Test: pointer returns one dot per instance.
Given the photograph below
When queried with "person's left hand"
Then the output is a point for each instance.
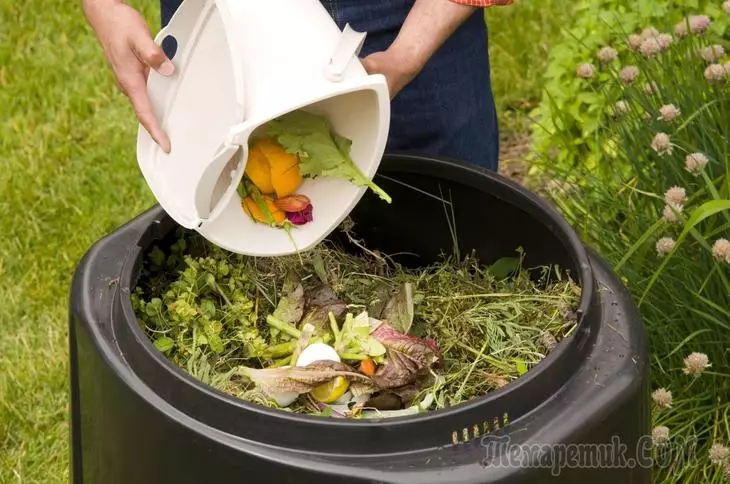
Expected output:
(398, 70)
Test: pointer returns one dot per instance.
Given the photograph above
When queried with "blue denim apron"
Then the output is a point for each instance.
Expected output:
(448, 109)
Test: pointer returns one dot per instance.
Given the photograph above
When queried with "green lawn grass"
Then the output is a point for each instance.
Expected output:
(69, 176)
(520, 38)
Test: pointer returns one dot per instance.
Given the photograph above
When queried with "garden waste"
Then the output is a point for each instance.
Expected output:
(346, 331)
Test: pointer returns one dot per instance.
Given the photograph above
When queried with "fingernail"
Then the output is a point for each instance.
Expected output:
(167, 68)
(163, 142)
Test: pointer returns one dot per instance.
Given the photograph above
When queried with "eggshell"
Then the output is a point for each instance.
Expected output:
(317, 352)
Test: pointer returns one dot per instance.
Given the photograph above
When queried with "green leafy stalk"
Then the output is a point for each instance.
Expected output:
(354, 356)
(302, 342)
(283, 327)
(321, 151)
(258, 199)
(355, 339)
(280, 350)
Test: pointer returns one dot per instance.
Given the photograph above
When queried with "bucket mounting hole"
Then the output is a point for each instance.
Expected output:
(169, 46)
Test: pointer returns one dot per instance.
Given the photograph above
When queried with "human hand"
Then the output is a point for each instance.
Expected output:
(130, 52)
(428, 25)
(398, 71)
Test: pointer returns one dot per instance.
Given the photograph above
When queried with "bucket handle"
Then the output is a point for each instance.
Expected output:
(349, 46)
(234, 146)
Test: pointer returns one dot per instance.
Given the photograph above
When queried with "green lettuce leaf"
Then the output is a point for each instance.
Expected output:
(321, 151)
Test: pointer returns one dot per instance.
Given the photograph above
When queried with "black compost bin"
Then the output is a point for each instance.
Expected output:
(582, 414)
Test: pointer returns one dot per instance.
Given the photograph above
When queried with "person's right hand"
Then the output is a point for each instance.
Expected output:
(130, 52)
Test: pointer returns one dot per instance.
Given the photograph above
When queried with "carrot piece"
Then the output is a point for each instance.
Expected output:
(368, 367)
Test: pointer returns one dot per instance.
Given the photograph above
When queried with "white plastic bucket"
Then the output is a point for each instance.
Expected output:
(240, 64)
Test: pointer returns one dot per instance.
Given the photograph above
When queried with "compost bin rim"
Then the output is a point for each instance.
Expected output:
(571, 347)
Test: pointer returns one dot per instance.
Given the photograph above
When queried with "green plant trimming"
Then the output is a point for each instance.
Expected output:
(569, 119)
(683, 295)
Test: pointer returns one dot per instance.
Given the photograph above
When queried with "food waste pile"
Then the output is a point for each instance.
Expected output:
(295, 147)
(349, 334)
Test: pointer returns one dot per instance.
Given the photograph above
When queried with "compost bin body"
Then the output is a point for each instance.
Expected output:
(136, 418)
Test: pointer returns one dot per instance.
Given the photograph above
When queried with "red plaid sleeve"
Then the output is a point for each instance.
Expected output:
(483, 3)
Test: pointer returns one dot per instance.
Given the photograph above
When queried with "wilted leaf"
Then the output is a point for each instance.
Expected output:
(406, 393)
(358, 388)
(322, 295)
(384, 401)
(377, 305)
(320, 302)
(298, 379)
(291, 306)
(319, 316)
(504, 267)
(407, 358)
(319, 267)
(399, 310)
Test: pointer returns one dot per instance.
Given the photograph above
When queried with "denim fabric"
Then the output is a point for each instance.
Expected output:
(448, 109)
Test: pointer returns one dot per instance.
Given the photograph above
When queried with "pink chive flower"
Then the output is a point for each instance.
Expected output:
(634, 41)
(695, 163)
(699, 24)
(650, 47)
(712, 53)
(671, 213)
(721, 250)
(586, 70)
(621, 107)
(715, 73)
(664, 246)
(695, 364)
(661, 144)
(660, 435)
(668, 112)
(719, 454)
(665, 40)
(675, 196)
(649, 32)
(662, 398)
(607, 54)
(680, 30)
(629, 74)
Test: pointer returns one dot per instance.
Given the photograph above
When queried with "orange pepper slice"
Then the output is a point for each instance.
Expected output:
(273, 170)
